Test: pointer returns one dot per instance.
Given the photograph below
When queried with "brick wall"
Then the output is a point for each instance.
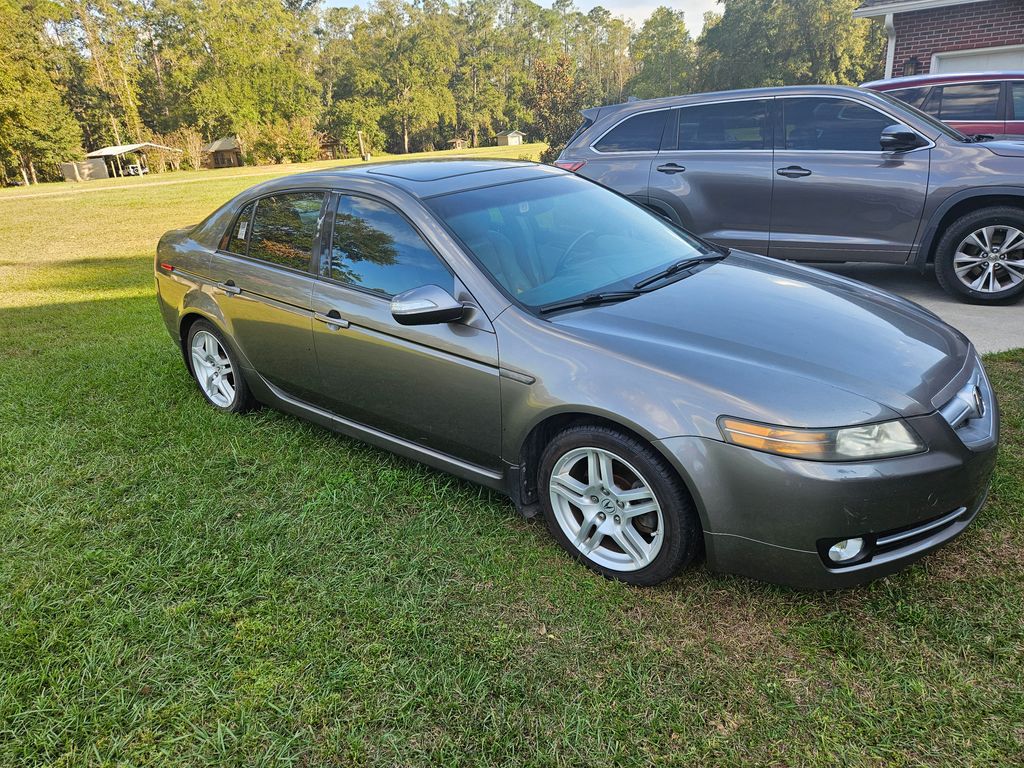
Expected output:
(956, 28)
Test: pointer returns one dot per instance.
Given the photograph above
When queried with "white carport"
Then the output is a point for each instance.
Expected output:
(115, 153)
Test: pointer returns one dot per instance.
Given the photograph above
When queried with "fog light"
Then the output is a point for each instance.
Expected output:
(846, 550)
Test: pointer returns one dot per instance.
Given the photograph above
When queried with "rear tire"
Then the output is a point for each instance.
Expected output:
(214, 365)
(614, 504)
(980, 257)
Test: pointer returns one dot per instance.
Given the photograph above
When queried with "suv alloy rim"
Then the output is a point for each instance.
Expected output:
(213, 369)
(606, 509)
(991, 259)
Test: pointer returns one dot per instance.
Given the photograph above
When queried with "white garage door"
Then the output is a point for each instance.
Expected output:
(982, 60)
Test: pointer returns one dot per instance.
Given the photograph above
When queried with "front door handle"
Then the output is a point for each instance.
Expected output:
(332, 318)
(793, 172)
(229, 288)
(670, 168)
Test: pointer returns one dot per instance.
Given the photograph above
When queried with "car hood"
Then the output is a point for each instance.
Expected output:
(784, 341)
(1006, 148)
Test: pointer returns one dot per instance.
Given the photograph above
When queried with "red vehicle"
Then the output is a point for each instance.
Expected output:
(989, 103)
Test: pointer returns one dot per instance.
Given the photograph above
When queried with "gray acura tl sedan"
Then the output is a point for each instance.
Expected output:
(651, 394)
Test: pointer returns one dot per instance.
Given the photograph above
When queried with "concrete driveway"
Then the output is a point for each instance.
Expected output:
(992, 329)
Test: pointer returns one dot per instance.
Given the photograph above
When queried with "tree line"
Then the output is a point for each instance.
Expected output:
(284, 74)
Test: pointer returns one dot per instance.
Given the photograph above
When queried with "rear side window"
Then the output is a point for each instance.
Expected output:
(640, 133)
(376, 248)
(913, 96)
(284, 228)
(239, 235)
(837, 125)
(729, 125)
(1017, 99)
(969, 101)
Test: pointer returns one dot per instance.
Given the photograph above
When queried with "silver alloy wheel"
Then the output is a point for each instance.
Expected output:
(213, 369)
(991, 259)
(606, 509)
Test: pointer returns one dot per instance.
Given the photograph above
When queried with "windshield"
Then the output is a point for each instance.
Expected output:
(924, 117)
(560, 237)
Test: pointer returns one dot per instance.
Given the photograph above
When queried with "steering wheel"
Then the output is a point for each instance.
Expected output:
(565, 255)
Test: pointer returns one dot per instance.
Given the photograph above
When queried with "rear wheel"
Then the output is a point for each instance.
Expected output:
(980, 257)
(216, 370)
(613, 503)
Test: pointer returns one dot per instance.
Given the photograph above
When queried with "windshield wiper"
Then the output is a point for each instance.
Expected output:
(677, 267)
(591, 299)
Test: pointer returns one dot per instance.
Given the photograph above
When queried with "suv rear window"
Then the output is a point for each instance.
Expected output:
(966, 101)
(913, 96)
(640, 133)
(728, 125)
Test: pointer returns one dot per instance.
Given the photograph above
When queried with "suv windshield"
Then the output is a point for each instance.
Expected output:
(552, 239)
(924, 117)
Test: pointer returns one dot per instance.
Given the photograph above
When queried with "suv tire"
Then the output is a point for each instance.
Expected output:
(973, 244)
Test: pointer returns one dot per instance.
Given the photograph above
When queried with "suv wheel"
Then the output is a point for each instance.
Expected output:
(981, 256)
(612, 503)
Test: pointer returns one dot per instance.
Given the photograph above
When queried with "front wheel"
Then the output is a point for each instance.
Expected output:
(980, 258)
(612, 502)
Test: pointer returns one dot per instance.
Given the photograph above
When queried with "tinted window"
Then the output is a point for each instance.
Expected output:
(970, 101)
(284, 228)
(374, 247)
(731, 125)
(1017, 96)
(240, 232)
(833, 124)
(913, 96)
(641, 133)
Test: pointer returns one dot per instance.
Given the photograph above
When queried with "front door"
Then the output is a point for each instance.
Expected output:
(264, 286)
(434, 385)
(713, 174)
(837, 195)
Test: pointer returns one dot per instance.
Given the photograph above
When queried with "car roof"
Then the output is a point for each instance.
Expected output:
(961, 77)
(423, 178)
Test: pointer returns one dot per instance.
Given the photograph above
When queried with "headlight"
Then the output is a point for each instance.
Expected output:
(869, 441)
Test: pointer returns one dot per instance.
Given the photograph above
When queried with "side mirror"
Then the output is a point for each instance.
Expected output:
(899, 138)
(426, 305)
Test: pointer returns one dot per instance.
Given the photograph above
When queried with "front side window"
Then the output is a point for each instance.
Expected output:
(640, 133)
(552, 239)
(837, 125)
(969, 102)
(238, 238)
(284, 228)
(729, 125)
(376, 248)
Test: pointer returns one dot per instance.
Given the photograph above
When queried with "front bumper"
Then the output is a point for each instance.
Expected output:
(770, 517)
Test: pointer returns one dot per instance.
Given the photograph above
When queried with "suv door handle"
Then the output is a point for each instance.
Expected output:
(229, 288)
(332, 318)
(793, 172)
(670, 168)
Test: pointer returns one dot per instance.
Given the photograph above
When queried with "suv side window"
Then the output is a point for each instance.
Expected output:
(640, 133)
(374, 247)
(969, 101)
(723, 126)
(1017, 100)
(238, 237)
(913, 96)
(284, 228)
(837, 125)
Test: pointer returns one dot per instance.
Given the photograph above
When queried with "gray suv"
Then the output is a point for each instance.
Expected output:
(819, 173)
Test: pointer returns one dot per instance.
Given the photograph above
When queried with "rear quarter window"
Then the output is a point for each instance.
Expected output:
(640, 133)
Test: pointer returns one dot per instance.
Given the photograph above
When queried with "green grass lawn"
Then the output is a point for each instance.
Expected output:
(184, 588)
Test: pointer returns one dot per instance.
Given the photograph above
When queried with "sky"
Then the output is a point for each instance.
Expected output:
(635, 10)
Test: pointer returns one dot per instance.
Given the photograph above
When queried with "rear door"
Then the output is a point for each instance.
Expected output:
(263, 272)
(971, 108)
(837, 195)
(621, 157)
(713, 174)
(1015, 109)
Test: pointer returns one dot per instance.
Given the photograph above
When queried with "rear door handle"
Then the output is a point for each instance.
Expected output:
(793, 172)
(670, 168)
(331, 318)
(229, 288)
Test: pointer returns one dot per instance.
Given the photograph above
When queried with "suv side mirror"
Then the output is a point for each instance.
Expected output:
(899, 138)
(426, 305)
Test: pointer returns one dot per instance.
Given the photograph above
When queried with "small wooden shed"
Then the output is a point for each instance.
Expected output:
(223, 153)
(510, 138)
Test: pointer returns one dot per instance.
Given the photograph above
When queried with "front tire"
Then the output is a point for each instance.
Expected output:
(614, 504)
(980, 257)
(215, 368)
